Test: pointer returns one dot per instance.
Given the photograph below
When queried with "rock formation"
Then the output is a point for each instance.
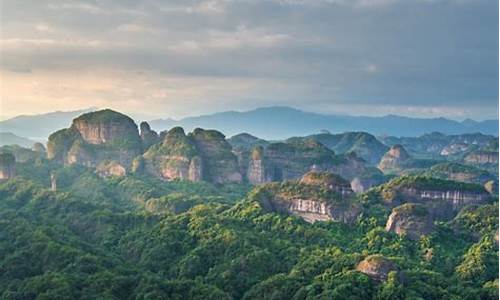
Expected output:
(290, 160)
(257, 172)
(220, 164)
(377, 267)
(148, 136)
(201, 155)
(96, 137)
(53, 182)
(459, 172)
(7, 166)
(443, 198)
(39, 148)
(482, 157)
(412, 220)
(394, 158)
(313, 199)
(110, 168)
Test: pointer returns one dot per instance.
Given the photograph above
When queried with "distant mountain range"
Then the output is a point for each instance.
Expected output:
(283, 122)
(39, 127)
(8, 138)
(269, 123)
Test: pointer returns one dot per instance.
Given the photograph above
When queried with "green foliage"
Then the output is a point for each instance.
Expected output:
(137, 237)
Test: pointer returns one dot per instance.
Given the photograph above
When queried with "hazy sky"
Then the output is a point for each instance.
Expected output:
(177, 58)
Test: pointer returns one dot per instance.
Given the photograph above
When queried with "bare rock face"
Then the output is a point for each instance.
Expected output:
(443, 198)
(171, 159)
(7, 166)
(412, 220)
(111, 168)
(394, 158)
(492, 187)
(377, 267)
(195, 172)
(291, 159)
(148, 136)
(312, 200)
(482, 157)
(96, 137)
(105, 126)
(221, 165)
(201, 155)
(257, 172)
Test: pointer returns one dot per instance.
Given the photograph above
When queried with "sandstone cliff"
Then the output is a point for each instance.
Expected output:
(201, 155)
(312, 199)
(148, 136)
(96, 137)
(443, 198)
(7, 166)
(394, 159)
(412, 220)
(482, 157)
(220, 163)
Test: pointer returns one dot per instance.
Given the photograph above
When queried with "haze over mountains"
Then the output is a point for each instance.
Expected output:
(268, 123)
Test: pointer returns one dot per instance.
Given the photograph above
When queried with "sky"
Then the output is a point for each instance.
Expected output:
(425, 58)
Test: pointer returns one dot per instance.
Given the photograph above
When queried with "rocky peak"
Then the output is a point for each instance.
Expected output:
(377, 267)
(216, 152)
(443, 198)
(394, 158)
(7, 166)
(148, 136)
(110, 168)
(106, 126)
(482, 157)
(410, 219)
(39, 148)
(96, 137)
(257, 172)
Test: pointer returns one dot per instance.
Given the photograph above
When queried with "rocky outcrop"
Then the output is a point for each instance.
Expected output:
(39, 148)
(377, 267)
(111, 168)
(394, 158)
(443, 198)
(311, 200)
(220, 163)
(482, 157)
(291, 159)
(492, 187)
(195, 171)
(106, 126)
(96, 137)
(257, 172)
(459, 172)
(148, 136)
(412, 220)
(7, 166)
(201, 155)
(456, 198)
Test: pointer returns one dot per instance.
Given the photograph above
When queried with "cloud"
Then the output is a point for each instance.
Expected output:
(326, 53)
